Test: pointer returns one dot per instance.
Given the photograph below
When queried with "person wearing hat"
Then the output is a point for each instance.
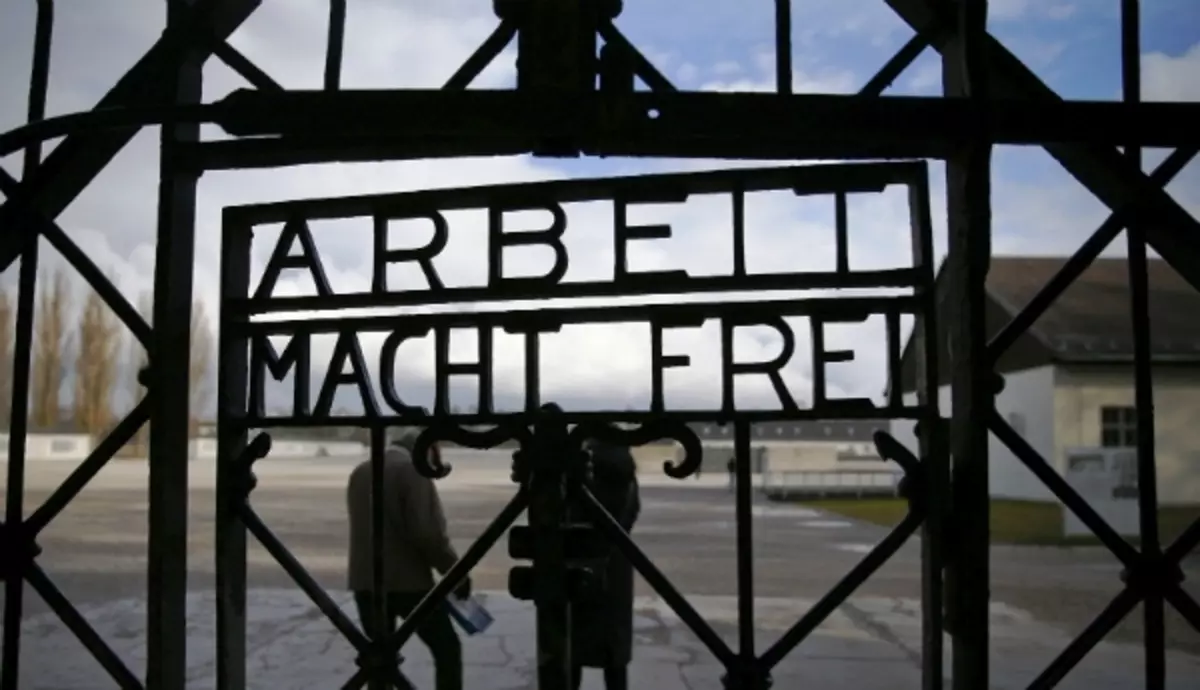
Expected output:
(416, 544)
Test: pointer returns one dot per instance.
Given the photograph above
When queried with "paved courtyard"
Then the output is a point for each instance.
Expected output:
(95, 551)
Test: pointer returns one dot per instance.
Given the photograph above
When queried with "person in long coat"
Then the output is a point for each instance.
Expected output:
(602, 624)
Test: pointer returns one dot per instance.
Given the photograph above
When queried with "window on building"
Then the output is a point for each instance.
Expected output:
(1118, 427)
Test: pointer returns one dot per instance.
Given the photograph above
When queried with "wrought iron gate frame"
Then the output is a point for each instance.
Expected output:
(247, 357)
(994, 96)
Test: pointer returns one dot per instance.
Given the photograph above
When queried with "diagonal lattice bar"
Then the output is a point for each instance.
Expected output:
(1185, 605)
(488, 51)
(1115, 181)
(452, 579)
(1078, 263)
(1109, 618)
(95, 461)
(894, 67)
(79, 158)
(80, 627)
(1029, 457)
(303, 579)
(244, 66)
(642, 66)
(607, 524)
(834, 598)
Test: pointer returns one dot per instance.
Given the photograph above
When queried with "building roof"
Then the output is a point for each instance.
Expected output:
(1090, 322)
(1092, 319)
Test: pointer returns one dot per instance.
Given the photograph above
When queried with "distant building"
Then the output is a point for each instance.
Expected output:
(1069, 382)
(826, 456)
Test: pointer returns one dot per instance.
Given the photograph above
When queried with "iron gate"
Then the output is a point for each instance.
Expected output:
(557, 109)
(550, 466)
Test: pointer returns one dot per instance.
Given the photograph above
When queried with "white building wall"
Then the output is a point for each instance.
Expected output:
(1027, 402)
(73, 447)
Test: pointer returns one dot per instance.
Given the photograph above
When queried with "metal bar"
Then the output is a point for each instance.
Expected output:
(969, 223)
(1143, 376)
(894, 67)
(1108, 619)
(744, 504)
(379, 593)
(659, 582)
(232, 406)
(826, 178)
(666, 285)
(95, 461)
(931, 442)
(82, 264)
(483, 56)
(333, 48)
(1184, 543)
(783, 46)
(514, 319)
(547, 516)
(252, 73)
(14, 588)
(77, 160)
(1170, 230)
(302, 578)
(170, 367)
(832, 410)
(82, 630)
(697, 119)
(469, 559)
(1079, 262)
(841, 591)
(1063, 491)
(657, 81)
(1185, 605)
(437, 596)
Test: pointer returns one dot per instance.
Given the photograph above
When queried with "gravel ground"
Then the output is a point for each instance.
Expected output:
(96, 549)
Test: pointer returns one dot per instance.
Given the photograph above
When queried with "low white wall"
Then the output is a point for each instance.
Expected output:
(73, 447)
(206, 448)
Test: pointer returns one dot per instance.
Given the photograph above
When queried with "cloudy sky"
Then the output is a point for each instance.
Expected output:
(717, 45)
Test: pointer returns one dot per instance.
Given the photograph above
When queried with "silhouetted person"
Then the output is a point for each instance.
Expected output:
(602, 624)
(731, 467)
(415, 545)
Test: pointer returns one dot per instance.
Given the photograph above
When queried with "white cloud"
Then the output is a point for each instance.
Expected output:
(1167, 78)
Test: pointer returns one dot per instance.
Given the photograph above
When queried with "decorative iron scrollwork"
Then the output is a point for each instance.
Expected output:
(912, 484)
(257, 449)
(649, 432)
(430, 464)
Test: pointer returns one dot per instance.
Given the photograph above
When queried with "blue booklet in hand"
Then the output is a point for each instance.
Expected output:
(470, 614)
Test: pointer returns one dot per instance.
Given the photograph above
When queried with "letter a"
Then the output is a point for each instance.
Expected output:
(282, 259)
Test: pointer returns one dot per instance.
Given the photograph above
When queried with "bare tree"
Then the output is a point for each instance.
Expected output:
(49, 350)
(201, 363)
(96, 366)
(7, 337)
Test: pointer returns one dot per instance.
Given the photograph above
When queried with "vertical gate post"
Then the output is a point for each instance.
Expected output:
(930, 440)
(968, 196)
(166, 625)
(232, 386)
(18, 424)
(1143, 372)
(547, 517)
